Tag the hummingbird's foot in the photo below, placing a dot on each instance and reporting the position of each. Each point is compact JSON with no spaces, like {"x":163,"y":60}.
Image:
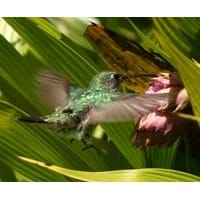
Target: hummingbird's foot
{"x":91,"y":146}
{"x":82,"y":126}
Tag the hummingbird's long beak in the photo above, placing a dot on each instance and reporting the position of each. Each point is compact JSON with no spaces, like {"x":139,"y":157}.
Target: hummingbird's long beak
{"x":128,"y":76}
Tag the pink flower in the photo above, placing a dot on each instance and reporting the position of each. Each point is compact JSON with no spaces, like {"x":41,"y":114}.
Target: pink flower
{"x":162,"y":127}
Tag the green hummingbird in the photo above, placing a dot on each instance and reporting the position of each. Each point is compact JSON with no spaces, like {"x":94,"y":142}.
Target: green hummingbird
{"x":78,"y":110}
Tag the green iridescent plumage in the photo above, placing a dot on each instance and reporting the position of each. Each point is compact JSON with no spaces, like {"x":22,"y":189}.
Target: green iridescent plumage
{"x":78,"y":105}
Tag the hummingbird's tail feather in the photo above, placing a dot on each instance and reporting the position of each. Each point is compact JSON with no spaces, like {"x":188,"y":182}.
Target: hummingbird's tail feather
{"x":32,"y":119}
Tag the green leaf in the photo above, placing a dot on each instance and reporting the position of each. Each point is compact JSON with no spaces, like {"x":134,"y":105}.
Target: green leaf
{"x":161,"y":157}
{"x":54,"y":52}
{"x":150,"y":175}
{"x":120,"y":135}
{"x":14,"y":72}
{"x":6,"y":173}
{"x":73,"y":28}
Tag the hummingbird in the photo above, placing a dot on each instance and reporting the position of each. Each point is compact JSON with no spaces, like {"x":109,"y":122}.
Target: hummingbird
{"x":78,"y":110}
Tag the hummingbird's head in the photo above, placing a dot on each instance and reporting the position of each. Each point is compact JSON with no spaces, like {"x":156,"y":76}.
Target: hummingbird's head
{"x":107,"y":81}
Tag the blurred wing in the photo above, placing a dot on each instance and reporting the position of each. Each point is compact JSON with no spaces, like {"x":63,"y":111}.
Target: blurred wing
{"x":54,"y":89}
{"x":127,"y":107}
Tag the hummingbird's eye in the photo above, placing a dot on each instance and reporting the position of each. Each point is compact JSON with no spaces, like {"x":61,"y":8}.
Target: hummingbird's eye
{"x":116,"y":76}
